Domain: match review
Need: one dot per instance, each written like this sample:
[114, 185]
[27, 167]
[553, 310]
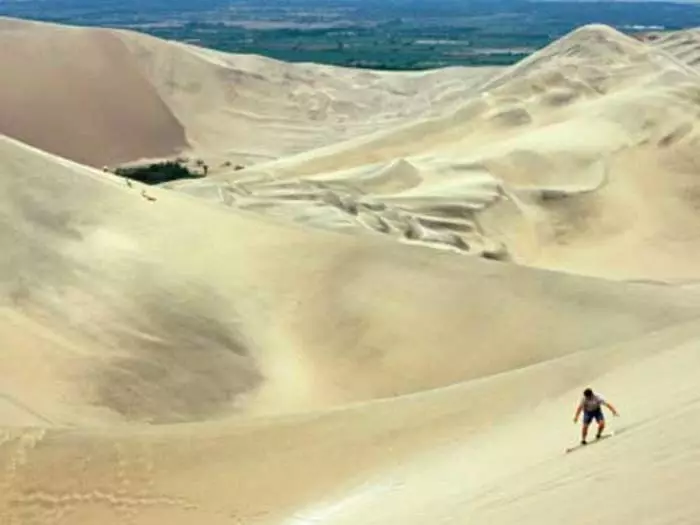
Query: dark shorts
[593, 414]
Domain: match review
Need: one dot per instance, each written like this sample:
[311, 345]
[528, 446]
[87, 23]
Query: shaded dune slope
[79, 94]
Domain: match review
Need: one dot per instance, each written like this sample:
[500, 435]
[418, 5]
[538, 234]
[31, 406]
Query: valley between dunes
[386, 317]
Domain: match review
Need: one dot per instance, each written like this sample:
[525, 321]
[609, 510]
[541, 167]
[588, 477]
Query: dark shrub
[157, 173]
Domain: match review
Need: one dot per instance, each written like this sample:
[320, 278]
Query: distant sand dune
[119, 96]
[232, 104]
[79, 94]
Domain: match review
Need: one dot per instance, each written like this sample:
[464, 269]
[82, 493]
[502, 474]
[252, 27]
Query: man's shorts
[593, 414]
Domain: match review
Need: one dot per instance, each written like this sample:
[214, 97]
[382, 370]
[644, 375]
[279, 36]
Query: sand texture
[386, 318]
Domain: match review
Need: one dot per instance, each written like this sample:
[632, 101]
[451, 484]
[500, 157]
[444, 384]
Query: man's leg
[601, 426]
[584, 431]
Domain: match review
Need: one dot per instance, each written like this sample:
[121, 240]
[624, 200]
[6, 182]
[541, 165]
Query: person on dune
[592, 407]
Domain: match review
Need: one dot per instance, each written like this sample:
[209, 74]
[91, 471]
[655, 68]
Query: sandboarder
[592, 407]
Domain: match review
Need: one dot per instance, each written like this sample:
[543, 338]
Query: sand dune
[123, 313]
[325, 337]
[120, 96]
[683, 45]
[557, 163]
[79, 94]
[135, 281]
[252, 108]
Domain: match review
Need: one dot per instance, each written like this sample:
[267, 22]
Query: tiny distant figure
[592, 407]
[147, 196]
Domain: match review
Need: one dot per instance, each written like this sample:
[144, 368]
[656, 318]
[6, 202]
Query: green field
[398, 34]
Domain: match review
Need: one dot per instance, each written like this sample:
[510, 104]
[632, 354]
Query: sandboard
[591, 442]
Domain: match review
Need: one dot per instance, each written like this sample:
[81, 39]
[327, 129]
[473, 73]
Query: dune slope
[249, 109]
[79, 94]
[581, 158]
[105, 97]
[137, 318]
[133, 283]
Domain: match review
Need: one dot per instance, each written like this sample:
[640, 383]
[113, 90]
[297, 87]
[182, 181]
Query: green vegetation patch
[160, 172]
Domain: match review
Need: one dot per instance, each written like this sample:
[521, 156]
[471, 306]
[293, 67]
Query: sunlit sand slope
[171, 309]
[487, 450]
[581, 158]
[247, 108]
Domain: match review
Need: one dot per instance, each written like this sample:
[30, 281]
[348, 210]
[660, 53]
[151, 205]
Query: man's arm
[579, 409]
[612, 408]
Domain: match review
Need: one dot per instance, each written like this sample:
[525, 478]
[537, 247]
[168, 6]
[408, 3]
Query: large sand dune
[119, 96]
[79, 94]
[581, 158]
[284, 345]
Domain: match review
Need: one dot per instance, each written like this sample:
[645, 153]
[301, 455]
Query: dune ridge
[543, 167]
[385, 324]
